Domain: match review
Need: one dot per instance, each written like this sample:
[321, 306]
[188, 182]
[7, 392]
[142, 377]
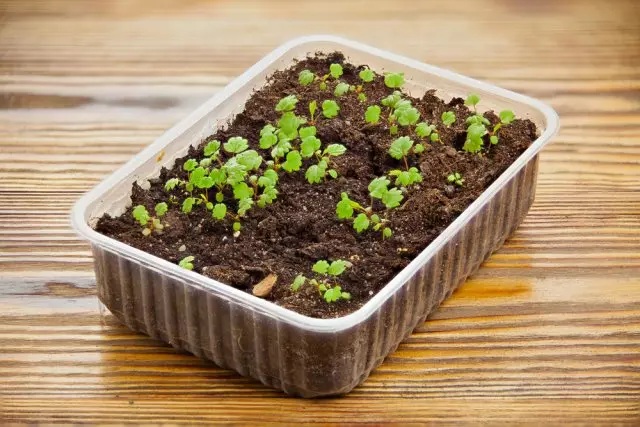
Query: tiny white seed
[182, 248]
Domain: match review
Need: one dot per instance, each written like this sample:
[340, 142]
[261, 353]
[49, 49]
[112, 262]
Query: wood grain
[549, 328]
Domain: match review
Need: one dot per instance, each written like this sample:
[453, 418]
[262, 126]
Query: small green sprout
[341, 89]
[187, 262]
[306, 77]
[474, 143]
[506, 117]
[293, 161]
[330, 108]
[455, 178]
[236, 145]
[372, 115]
[366, 218]
[448, 118]
[424, 130]
[362, 97]
[313, 106]
[150, 223]
[472, 100]
[330, 292]
[366, 75]
[394, 80]
[288, 103]
[335, 70]
[318, 172]
[400, 149]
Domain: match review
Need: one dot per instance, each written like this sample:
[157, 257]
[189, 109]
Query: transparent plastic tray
[257, 338]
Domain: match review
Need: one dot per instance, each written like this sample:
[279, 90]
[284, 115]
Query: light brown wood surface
[548, 330]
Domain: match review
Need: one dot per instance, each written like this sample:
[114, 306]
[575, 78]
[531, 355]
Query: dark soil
[287, 237]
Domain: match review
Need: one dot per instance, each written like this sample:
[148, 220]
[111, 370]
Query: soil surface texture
[301, 227]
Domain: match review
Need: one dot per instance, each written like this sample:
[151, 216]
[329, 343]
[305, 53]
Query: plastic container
[283, 349]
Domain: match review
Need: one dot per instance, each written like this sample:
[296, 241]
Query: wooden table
[548, 329]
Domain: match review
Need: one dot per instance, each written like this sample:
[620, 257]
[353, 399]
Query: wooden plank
[548, 329]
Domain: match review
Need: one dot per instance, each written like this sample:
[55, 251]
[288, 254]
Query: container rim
[333, 325]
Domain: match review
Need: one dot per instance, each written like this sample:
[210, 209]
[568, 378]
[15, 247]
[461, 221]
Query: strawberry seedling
[456, 178]
[325, 271]
[148, 222]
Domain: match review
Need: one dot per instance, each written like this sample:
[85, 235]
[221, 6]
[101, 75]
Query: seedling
[330, 108]
[187, 262]
[394, 80]
[313, 107]
[477, 127]
[456, 178]
[472, 100]
[331, 292]
[362, 97]
[150, 223]
[341, 89]
[448, 118]
[424, 130]
[366, 218]
[306, 77]
[318, 172]
[366, 75]
[335, 70]
[288, 103]
[372, 115]
[400, 111]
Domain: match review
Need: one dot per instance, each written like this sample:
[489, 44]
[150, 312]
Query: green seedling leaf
[392, 100]
[472, 100]
[448, 118]
[507, 116]
[307, 131]
[268, 179]
[244, 205]
[334, 150]
[289, 124]
[362, 97]
[315, 174]
[335, 70]
[378, 187]
[242, 191]
[161, 209]
[288, 103]
[211, 148]
[141, 215]
[366, 75]
[332, 173]
[298, 282]
[313, 106]
[250, 159]
[236, 144]
[219, 211]
[361, 223]
[344, 208]
[306, 77]
[309, 146]
[321, 267]
[418, 148]
[267, 197]
[341, 89]
[330, 108]
[337, 267]
[493, 139]
[394, 80]
[187, 262]
[423, 129]
[219, 176]
[400, 147]
[267, 129]
[171, 184]
[386, 233]
[187, 205]
[293, 162]
[372, 115]
[190, 165]
[407, 116]
[268, 140]
[392, 198]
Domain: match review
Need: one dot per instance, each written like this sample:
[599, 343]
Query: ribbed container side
[284, 355]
